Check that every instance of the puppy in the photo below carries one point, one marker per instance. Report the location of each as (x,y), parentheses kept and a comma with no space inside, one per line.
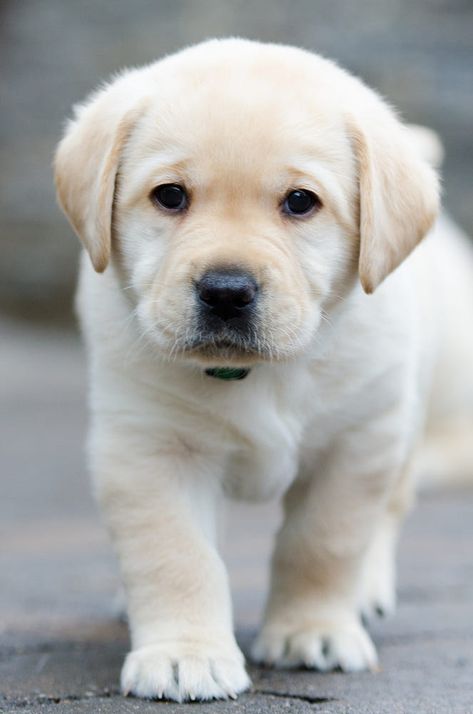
(245,203)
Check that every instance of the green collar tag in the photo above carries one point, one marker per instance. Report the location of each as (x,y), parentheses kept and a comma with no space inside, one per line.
(228,374)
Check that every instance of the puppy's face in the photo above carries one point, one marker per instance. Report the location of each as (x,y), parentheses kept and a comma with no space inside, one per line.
(234,218)
(236,198)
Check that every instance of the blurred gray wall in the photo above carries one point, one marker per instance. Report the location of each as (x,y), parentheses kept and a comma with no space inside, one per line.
(419,53)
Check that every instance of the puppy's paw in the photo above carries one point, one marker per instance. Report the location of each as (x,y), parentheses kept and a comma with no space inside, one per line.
(184,672)
(346,646)
(377,595)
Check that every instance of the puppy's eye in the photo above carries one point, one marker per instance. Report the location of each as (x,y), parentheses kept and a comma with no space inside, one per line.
(300,202)
(170,196)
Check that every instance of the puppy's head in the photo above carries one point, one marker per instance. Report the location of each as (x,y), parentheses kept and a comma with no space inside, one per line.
(239,189)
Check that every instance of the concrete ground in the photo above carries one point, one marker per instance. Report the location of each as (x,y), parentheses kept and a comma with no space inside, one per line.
(61,646)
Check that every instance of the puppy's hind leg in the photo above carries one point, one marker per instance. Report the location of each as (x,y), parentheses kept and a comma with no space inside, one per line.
(445,458)
(377,593)
(377,596)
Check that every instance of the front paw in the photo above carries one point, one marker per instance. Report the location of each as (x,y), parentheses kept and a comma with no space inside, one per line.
(343,645)
(184,671)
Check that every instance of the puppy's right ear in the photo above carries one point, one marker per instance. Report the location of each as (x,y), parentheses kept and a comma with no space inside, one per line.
(86,166)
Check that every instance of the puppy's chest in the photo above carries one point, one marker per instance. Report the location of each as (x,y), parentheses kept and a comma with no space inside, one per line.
(264,458)
(264,467)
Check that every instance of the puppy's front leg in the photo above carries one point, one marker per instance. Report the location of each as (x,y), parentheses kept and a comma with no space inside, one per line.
(312,616)
(159,502)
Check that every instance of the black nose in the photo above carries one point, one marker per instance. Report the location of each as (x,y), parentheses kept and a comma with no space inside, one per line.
(227,293)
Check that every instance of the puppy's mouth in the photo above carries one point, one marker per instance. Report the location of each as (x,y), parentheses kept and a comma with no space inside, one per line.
(223,351)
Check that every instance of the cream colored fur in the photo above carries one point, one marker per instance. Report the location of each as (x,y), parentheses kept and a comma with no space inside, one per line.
(342,387)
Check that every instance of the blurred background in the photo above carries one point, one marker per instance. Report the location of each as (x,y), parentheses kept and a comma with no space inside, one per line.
(55,564)
(418,53)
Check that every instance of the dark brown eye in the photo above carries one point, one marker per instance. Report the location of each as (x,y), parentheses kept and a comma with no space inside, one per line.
(170,196)
(300,202)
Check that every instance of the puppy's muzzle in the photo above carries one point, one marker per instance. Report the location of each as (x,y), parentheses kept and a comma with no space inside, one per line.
(227,298)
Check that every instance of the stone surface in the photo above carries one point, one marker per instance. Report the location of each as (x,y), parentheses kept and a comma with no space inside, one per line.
(419,53)
(61,644)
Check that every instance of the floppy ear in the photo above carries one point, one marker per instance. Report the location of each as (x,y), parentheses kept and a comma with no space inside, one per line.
(86,166)
(398,194)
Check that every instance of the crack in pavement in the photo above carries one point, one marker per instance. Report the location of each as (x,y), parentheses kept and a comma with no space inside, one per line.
(301,697)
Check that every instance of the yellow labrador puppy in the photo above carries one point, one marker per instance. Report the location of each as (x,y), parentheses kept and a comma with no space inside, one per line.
(245,203)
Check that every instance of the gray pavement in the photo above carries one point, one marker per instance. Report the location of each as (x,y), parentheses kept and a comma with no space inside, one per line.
(61,645)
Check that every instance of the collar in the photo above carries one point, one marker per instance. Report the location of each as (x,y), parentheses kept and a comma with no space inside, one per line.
(228,374)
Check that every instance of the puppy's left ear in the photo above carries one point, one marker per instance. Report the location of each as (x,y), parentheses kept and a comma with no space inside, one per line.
(398,194)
